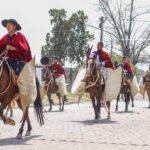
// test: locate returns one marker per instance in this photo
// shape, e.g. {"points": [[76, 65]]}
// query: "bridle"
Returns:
{"points": [[93, 83]]}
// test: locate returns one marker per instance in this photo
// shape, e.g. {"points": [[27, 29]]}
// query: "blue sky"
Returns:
{"points": [[34, 18]]}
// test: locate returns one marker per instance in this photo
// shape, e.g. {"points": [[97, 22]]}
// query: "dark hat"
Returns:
{"points": [[4, 23], [44, 60]]}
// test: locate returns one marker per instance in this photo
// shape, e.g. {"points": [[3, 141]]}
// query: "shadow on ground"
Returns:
{"points": [[93, 122], [13, 141], [123, 112]]}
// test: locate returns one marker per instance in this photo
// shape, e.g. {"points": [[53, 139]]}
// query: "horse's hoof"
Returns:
{"points": [[10, 121], [19, 136], [132, 105], [97, 117], [109, 117], [50, 110], [28, 133], [116, 109]]}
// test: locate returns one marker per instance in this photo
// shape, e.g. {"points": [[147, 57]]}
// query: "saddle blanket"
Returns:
{"points": [[112, 83]]}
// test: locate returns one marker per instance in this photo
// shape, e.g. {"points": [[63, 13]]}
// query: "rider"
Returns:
{"points": [[57, 71], [102, 58], [16, 44], [147, 75], [127, 68]]}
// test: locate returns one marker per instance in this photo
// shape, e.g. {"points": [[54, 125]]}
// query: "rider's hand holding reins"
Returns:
{"points": [[102, 64], [9, 47]]}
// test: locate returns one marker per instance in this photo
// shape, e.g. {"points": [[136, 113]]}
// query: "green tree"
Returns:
{"points": [[78, 37], [68, 39]]}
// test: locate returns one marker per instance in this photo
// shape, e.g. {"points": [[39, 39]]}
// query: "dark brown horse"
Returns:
{"points": [[147, 86], [51, 87], [126, 92], [95, 88], [8, 90]]}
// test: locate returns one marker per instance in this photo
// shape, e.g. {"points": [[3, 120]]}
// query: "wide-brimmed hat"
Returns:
{"points": [[5, 21], [44, 60]]}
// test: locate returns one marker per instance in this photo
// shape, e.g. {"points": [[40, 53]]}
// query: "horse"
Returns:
{"points": [[95, 88], [51, 87], [8, 90], [126, 91], [147, 86]]}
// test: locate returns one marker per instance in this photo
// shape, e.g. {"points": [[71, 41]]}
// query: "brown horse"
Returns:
{"points": [[8, 90], [147, 86], [95, 88], [52, 88], [126, 92]]}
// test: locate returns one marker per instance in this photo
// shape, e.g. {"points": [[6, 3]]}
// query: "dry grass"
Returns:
{"points": [[71, 98]]}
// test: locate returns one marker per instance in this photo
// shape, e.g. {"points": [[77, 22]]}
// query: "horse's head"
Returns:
{"points": [[92, 67], [147, 79], [46, 74]]}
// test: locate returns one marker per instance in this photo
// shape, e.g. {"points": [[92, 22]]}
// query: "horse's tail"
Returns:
{"points": [[38, 105]]}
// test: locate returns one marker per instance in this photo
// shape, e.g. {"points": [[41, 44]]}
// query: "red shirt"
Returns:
{"points": [[126, 66], [57, 70], [18, 40], [105, 57]]}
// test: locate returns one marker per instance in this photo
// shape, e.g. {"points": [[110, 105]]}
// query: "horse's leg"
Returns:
{"points": [[109, 113], [50, 101], [94, 106], [149, 99], [7, 110], [59, 101], [132, 99], [19, 135], [98, 99], [28, 133], [117, 100], [11, 111], [2, 107], [98, 108], [1, 113], [127, 100], [63, 101]]}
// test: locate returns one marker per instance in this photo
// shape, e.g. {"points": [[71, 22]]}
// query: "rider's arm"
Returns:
{"points": [[3, 42], [23, 47]]}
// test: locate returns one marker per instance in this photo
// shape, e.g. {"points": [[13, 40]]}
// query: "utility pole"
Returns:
{"points": [[111, 47], [101, 25]]}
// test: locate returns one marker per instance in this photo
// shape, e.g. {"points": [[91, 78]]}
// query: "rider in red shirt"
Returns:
{"points": [[56, 68], [102, 57], [127, 68], [16, 44], [57, 71]]}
